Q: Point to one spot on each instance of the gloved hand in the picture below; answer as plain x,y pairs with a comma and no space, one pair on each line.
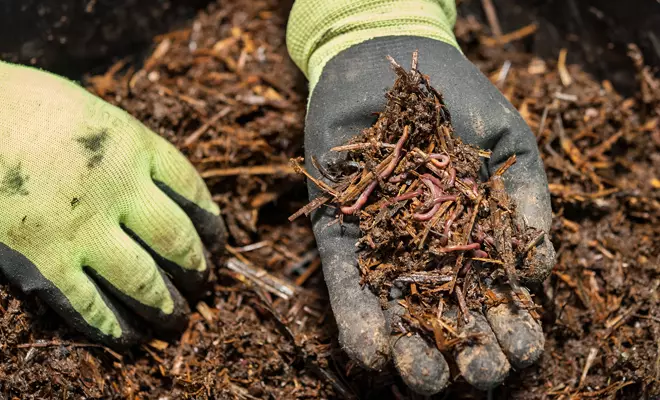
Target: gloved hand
341,45
98,215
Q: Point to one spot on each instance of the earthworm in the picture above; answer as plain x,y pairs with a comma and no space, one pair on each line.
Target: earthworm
480,253
466,268
427,215
405,196
447,197
437,159
442,160
433,179
434,194
461,247
457,212
362,199
452,177
396,156
399,178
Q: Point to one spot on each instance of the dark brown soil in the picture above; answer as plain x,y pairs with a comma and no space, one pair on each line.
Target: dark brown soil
224,92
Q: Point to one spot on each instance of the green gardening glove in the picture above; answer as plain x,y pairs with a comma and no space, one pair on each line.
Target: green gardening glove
99,216
341,45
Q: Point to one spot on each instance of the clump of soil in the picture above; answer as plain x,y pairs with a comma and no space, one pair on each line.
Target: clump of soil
430,228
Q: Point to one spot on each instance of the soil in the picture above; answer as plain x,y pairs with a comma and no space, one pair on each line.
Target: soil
224,91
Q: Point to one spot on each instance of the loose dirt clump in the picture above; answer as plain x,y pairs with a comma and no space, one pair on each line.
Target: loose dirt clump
430,228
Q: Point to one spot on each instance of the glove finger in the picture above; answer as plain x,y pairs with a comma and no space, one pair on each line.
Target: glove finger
519,334
166,232
177,178
532,203
125,270
73,295
363,332
480,359
421,366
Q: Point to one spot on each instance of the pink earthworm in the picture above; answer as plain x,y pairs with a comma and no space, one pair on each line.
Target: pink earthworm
434,194
441,160
362,199
447,197
462,247
433,179
427,215
479,253
405,196
396,156
467,265
452,177
399,178
457,212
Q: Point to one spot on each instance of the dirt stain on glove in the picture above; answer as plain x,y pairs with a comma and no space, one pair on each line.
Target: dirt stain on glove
94,146
13,181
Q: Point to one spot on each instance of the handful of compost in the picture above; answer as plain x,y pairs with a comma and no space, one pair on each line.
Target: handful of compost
432,234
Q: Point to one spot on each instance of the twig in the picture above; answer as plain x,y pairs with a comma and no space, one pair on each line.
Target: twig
487,260
518,34
69,344
200,131
544,116
587,365
311,206
295,165
564,75
532,243
619,320
421,278
360,146
313,267
462,305
491,15
261,277
282,169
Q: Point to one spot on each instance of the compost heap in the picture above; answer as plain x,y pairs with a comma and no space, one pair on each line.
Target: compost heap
222,90
428,226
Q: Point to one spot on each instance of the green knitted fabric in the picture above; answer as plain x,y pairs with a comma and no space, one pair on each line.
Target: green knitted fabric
318,30
73,170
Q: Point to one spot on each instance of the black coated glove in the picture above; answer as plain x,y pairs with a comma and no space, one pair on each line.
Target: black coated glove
350,90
